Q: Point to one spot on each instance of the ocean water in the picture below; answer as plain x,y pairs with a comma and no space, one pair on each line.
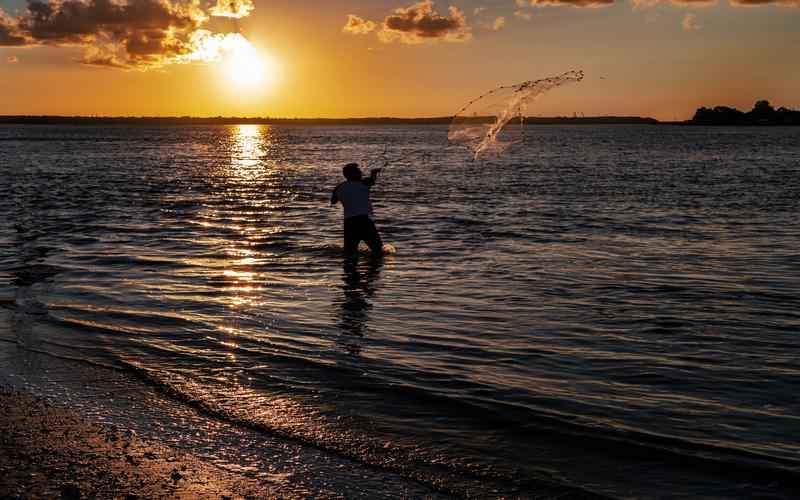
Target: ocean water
608,310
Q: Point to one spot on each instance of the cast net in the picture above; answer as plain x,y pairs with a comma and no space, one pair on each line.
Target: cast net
495,121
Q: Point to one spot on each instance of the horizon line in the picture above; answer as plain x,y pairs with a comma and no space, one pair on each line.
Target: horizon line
438,119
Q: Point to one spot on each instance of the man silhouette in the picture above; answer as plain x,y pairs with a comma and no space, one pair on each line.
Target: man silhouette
354,197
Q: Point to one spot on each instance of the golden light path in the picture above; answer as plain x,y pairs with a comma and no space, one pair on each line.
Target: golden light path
248,145
248,149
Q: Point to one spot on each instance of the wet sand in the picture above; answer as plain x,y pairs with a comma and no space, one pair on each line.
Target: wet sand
50,452
64,423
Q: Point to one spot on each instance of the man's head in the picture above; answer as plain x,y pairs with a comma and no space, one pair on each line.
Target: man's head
351,172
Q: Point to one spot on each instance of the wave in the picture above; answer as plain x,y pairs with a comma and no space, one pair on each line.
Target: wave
522,422
437,479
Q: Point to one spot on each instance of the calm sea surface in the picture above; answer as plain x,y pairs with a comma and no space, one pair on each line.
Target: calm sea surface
615,308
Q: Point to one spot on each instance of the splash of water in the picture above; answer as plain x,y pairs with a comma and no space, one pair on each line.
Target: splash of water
496,120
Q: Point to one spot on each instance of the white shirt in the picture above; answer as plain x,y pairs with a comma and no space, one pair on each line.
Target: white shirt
354,196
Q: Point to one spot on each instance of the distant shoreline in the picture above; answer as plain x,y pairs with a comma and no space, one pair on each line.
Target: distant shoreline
441,120
235,120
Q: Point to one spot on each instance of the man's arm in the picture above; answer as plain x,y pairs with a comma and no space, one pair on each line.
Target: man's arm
373,177
334,196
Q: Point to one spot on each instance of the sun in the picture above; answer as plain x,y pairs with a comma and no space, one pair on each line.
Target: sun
246,67
236,57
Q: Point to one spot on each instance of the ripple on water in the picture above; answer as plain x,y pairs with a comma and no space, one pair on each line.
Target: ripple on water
613,307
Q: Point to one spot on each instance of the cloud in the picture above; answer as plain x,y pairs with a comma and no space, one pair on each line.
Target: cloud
419,23
78,21
9,32
694,3
357,26
524,14
690,23
130,34
573,3
12,59
236,9
759,3
478,10
644,4
138,33
496,24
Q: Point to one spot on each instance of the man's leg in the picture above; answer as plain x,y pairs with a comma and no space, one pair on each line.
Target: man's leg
372,238
351,236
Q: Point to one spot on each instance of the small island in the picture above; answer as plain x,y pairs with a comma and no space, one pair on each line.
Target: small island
762,114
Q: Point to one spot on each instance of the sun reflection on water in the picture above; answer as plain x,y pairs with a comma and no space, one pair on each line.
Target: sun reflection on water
250,146
247,168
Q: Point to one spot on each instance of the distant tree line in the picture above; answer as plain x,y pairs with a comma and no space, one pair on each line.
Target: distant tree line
240,120
762,114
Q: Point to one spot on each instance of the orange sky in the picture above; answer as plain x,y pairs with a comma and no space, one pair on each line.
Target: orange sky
661,59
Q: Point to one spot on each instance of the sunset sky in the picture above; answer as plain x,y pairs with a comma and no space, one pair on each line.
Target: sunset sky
325,58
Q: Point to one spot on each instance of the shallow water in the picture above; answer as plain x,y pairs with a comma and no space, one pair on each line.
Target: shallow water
613,307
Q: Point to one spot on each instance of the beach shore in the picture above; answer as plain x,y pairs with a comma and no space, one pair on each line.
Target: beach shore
47,451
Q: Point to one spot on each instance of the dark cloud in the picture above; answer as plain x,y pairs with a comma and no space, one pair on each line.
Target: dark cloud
236,9
9,39
9,35
75,21
573,3
420,22
136,34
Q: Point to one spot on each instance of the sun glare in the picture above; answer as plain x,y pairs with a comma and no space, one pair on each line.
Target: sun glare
245,67
239,60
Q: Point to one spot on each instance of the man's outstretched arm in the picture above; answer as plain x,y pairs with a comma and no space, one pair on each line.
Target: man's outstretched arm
334,196
373,177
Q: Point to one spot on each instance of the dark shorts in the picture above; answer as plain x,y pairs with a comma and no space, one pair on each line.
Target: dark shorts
361,228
